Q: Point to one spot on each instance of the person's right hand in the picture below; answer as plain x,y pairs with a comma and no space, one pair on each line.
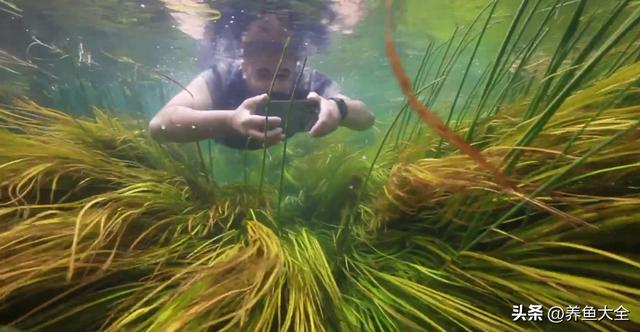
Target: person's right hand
247,123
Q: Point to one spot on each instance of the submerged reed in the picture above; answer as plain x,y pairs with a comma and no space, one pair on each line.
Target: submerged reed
101,228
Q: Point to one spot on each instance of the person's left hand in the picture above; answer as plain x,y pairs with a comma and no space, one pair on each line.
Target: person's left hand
328,117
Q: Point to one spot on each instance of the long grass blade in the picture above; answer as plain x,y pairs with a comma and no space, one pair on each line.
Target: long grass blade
286,125
266,111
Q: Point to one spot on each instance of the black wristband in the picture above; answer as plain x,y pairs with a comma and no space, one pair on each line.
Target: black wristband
342,107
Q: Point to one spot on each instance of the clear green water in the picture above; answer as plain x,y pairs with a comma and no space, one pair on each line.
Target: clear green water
51,34
463,257
146,32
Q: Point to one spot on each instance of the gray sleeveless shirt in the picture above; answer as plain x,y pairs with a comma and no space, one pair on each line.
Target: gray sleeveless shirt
228,90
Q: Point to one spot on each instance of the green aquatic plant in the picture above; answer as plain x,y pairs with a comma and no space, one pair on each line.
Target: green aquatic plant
10,8
266,111
99,221
7,60
101,183
102,228
284,129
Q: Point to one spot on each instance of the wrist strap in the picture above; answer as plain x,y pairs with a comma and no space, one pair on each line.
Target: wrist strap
342,107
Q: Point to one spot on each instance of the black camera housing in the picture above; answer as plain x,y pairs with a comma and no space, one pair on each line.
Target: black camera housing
302,117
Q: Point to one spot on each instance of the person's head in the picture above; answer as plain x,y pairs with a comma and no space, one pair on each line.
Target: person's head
255,31
262,47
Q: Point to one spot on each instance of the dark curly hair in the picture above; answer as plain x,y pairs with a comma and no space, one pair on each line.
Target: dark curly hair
308,22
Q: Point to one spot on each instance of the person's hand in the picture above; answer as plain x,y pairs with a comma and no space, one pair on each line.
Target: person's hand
328,118
247,123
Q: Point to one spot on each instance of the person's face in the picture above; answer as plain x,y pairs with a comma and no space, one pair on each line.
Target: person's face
260,68
263,46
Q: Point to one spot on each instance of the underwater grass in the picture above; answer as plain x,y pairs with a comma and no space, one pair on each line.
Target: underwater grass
101,228
284,129
631,22
266,110
197,268
467,68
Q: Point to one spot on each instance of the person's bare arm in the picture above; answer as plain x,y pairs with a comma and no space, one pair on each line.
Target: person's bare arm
189,116
358,115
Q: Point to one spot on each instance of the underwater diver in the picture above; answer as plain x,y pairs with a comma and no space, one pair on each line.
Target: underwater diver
221,103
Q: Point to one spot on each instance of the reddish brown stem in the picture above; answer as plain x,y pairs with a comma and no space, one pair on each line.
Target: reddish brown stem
428,117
